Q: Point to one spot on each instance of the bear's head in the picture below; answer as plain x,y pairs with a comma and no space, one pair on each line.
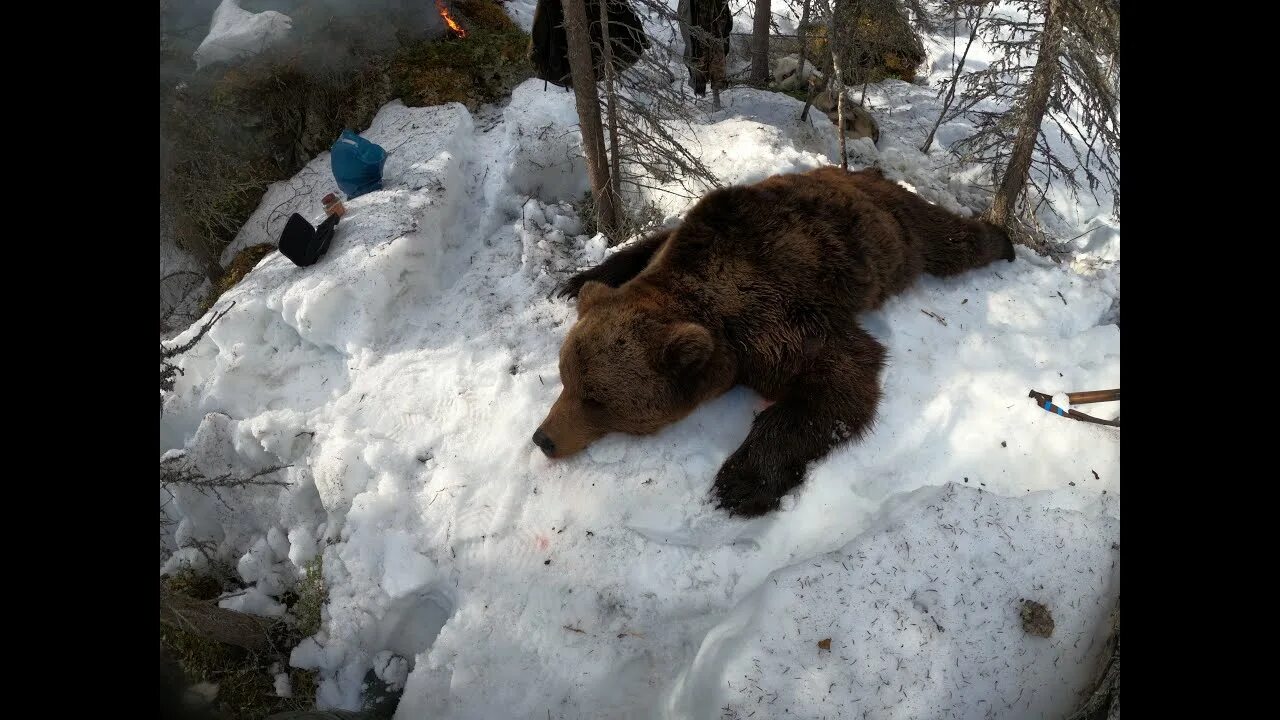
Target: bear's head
997,239
630,364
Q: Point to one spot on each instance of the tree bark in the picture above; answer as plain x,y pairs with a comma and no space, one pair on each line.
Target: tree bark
611,100
214,623
1043,78
588,103
837,70
760,44
802,33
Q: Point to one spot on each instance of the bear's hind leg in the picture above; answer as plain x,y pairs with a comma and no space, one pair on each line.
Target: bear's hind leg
832,403
619,267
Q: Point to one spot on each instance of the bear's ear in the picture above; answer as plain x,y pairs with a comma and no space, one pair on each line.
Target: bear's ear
688,348
592,292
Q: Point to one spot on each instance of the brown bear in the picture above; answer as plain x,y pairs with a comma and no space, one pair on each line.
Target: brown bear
760,285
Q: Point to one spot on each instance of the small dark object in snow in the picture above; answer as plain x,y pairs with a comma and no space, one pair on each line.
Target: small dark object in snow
1095,474
1064,300
647,482
1072,483
304,243
966,479
935,316
547,561
824,644
513,369
1036,619
964,301
590,534
1004,444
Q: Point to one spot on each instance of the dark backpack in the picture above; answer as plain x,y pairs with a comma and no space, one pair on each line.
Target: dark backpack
549,44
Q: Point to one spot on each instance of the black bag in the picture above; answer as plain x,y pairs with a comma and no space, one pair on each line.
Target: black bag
304,244
549,45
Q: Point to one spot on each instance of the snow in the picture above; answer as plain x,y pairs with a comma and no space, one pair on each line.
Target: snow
283,687
401,377
235,33
921,617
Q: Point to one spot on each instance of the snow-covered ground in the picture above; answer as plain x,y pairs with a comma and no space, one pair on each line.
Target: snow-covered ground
401,377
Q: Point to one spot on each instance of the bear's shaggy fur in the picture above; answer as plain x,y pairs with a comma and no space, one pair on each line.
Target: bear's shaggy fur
760,285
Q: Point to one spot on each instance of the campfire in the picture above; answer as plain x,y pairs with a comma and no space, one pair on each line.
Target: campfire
454,26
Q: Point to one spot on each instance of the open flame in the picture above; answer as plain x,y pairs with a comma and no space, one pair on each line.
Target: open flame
448,20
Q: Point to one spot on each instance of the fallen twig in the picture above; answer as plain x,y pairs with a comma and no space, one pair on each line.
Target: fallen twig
935,316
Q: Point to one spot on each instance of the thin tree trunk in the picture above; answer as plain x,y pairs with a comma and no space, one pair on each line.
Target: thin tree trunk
760,44
588,102
214,623
1043,78
814,90
611,100
838,71
844,153
802,32
955,79
718,68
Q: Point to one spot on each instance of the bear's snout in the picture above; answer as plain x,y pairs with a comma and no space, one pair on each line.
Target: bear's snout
544,443
566,430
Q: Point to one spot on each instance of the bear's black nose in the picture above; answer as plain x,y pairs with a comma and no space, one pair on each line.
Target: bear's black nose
541,440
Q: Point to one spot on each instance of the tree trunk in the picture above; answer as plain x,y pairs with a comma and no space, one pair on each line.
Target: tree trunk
838,72
214,623
802,33
1043,78
760,44
611,101
588,103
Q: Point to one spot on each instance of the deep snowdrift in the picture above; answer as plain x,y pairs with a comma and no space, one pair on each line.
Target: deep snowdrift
401,377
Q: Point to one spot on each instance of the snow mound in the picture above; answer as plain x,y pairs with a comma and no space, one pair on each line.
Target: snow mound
920,617
755,134
236,33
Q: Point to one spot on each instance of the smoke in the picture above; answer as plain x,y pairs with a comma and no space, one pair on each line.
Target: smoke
327,35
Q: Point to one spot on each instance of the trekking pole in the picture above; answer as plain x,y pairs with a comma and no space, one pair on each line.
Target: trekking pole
1093,396
1046,401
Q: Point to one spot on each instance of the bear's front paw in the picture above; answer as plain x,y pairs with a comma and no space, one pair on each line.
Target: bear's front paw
573,285
747,486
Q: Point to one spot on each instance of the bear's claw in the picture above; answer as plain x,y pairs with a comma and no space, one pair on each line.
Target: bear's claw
750,488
